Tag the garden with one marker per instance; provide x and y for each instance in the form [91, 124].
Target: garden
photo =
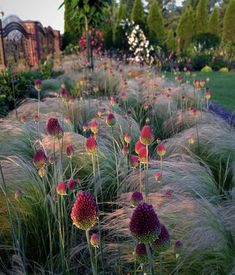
[122, 159]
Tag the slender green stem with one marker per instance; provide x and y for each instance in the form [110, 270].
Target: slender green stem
[160, 264]
[150, 258]
[116, 161]
[140, 178]
[161, 168]
[94, 272]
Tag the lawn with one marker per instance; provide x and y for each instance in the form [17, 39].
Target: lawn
[222, 86]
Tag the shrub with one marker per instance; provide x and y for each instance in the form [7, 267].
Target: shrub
[206, 69]
[217, 63]
[200, 61]
[224, 70]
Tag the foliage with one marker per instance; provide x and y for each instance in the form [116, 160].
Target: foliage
[207, 69]
[224, 70]
[214, 22]
[137, 14]
[206, 41]
[229, 26]
[201, 17]
[171, 41]
[185, 29]
[46, 69]
[155, 24]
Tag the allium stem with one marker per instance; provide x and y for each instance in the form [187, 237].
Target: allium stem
[150, 258]
[140, 179]
[160, 264]
[116, 161]
[94, 272]
[198, 143]
[38, 111]
[161, 168]
[146, 173]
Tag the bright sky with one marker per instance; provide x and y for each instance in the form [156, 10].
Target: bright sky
[45, 11]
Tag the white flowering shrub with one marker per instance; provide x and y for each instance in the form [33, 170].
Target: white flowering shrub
[142, 51]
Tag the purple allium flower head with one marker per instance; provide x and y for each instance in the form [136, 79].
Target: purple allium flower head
[141, 253]
[163, 242]
[72, 184]
[53, 128]
[39, 158]
[144, 224]
[136, 198]
[178, 246]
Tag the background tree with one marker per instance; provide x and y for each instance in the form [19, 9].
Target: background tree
[229, 23]
[155, 24]
[214, 23]
[171, 41]
[129, 7]
[120, 39]
[186, 29]
[201, 17]
[137, 14]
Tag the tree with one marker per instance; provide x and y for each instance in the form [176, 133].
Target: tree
[229, 25]
[120, 37]
[68, 8]
[170, 41]
[186, 29]
[155, 23]
[214, 24]
[201, 17]
[129, 7]
[137, 14]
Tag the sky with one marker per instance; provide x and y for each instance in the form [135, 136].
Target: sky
[45, 11]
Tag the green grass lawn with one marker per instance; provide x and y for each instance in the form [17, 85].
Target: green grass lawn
[222, 86]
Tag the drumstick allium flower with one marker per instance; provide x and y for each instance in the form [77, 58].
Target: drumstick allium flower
[144, 224]
[85, 211]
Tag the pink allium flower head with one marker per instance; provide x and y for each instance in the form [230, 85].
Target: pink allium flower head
[146, 135]
[69, 150]
[138, 146]
[125, 150]
[53, 128]
[67, 119]
[39, 158]
[36, 118]
[91, 145]
[22, 118]
[86, 127]
[61, 188]
[51, 159]
[112, 100]
[110, 120]
[141, 253]
[18, 194]
[161, 150]
[94, 126]
[64, 93]
[127, 138]
[202, 82]
[38, 85]
[134, 161]
[163, 242]
[99, 113]
[85, 211]
[143, 156]
[123, 96]
[194, 112]
[207, 95]
[136, 198]
[72, 184]
[95, 240]
[144, 224]
[157, 176]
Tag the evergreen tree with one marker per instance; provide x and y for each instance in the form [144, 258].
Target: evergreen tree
[186, 29]
[201, 17]
[229, 23]
[170, 41]
[120, 39]
[155, 23]
[137, 14]
[129, 7]
[68, 10]
[214, 24]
